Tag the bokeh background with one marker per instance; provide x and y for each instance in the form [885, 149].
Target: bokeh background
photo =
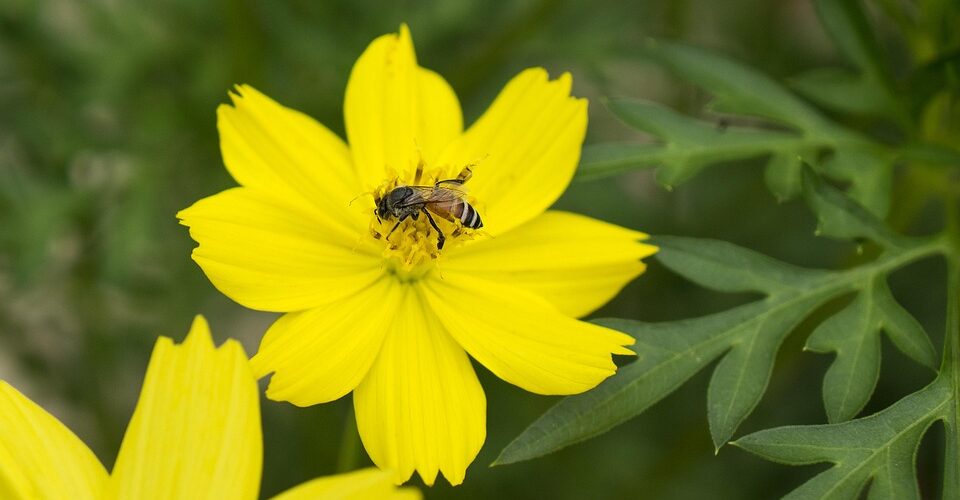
[107, 128]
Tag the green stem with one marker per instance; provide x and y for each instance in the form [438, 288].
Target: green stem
[950, 367]
[348, 458]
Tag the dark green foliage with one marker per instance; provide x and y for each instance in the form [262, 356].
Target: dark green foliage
[107, 128]
[842, 160]
[747, 337]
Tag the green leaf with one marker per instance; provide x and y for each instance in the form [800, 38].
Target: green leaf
[725, 267]
[841, 90]
[869, 172]
[854, 335]
[783, 175]
[738, 88]
[880, 449]
[746, 338]
[904, 330]
[688, 145]
[867, 92]
[847, 25]
[840, 217]
[932, 154]
[602, 160]
[691, 144]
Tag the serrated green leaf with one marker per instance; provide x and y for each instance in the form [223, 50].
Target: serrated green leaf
[841, 90]
[869, 172]
[783, 175]
[669, 354]
[690, 144]
[726, 267]
[879, 449]
[746, 337]
[903, 329]
[868, 92]
[741, 377]
[738, 88]
[840, 217]
[854, 335]
[847, 25]
[602, 160]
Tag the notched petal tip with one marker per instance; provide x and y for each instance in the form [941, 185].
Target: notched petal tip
[403, 34]
[197, 419]
[531, 136]
[199, 333]
[421, 408]
[523, 339]
[238, 92]
[565, 81]
[622, 349]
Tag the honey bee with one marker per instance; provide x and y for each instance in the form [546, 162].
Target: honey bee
[445, 198]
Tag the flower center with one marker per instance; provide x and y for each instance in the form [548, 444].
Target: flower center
[419, 218]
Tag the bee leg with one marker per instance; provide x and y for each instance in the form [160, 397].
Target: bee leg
[395, 226]
[440, 237]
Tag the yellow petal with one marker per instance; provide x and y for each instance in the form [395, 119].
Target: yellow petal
[39, 457]
[526, 146]
[277, 150]
[267, 254]
[364, 484]
[523, 339]
[575, 262]
[421, 407]
[394, 110]
[322, 354]
[196, 430]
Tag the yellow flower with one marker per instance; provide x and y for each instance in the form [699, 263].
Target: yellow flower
[195, 434]
[390, 316]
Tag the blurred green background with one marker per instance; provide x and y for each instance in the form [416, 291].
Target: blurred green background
[107, 128]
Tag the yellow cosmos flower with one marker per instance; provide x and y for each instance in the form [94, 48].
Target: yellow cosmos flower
[195, 434]
[390, 315]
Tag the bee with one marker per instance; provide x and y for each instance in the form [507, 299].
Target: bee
[445, 198]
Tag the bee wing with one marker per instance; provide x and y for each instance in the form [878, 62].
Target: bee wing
[445, 194]
[454, 189]
[421, 195]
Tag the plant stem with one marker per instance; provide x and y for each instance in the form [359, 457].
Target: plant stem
[950, 367]
[348, 458]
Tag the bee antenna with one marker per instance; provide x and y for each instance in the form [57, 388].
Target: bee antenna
[478, 161]
[371, 193]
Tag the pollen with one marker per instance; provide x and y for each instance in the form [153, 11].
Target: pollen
[411, 244]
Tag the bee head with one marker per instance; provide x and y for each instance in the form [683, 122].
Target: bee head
[388, 205]
[382, 210]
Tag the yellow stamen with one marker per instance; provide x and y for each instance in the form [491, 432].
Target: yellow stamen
[411, 250]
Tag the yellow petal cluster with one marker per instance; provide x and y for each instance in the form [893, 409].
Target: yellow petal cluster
[383, 311]
[195, 434]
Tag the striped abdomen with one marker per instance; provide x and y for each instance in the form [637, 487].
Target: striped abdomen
[458, 209]
[468, 215]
